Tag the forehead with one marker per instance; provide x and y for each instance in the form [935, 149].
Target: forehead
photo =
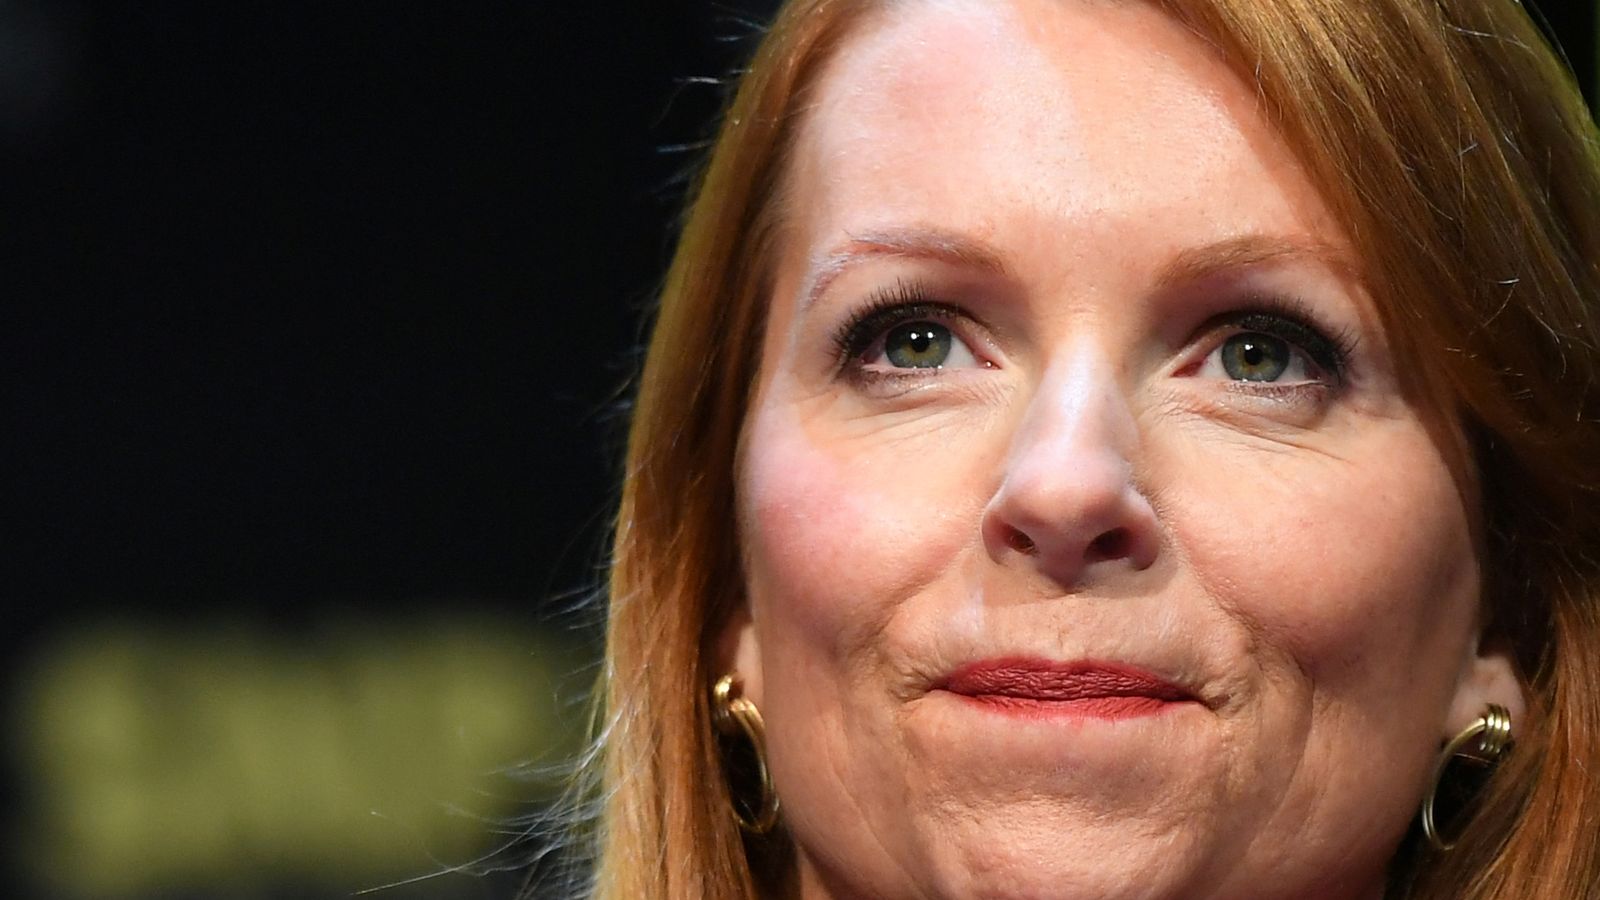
[1043, 118]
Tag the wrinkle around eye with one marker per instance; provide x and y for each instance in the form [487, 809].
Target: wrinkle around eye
[927, 411]
[909, 391]
[1257, 420]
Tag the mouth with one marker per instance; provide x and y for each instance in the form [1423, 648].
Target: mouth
[1081, 689]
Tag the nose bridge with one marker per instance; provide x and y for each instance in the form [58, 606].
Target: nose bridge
[1078, 416]
[1067, 498]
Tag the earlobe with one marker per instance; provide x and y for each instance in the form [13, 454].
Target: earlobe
[739, 652]
[1489, 677]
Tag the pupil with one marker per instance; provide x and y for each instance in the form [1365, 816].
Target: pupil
[917, 345]
[1253, 354]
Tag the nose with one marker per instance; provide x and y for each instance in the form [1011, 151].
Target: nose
[1068, 504]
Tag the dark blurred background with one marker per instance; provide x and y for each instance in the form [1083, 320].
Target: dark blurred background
[315, 330]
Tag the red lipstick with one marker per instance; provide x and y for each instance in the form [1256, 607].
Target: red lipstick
[1082, 689]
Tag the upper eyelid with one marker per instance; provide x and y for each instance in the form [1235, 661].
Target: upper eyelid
[1291, 308]
[905, 300]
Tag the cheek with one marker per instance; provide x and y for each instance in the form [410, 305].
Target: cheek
[1358, 570]
[840, 528]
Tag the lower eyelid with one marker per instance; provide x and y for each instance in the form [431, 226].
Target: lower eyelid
[1275, 391]
[907, 387]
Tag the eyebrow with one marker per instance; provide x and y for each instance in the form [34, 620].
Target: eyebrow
[1190, 265]
[900, 243]
[1194, 264]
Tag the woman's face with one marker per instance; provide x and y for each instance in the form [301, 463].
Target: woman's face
[1092, 549]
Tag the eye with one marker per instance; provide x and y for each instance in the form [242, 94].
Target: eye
[902, 333]
[1268, 348]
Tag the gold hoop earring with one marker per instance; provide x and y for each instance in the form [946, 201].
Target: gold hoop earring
[1480, 743]
[733, 713]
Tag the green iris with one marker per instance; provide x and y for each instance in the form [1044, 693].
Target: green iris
[917, 345]
[1252, 356]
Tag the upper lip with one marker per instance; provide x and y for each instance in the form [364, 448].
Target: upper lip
[1042, 679]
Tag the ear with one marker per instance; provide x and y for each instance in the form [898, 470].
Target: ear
[1488, 676]
[739, 651]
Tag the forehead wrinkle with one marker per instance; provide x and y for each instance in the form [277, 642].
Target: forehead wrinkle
[933, 244]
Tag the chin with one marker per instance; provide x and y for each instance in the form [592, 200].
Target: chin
[1068, 864]
[1036, 849]
[981, 859]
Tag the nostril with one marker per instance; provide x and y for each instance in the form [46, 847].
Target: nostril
[1114, 544]
[1019, 542]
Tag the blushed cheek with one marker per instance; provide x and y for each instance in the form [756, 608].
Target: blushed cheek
[839, 531]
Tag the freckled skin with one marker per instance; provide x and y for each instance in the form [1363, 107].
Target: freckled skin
[1302, 563]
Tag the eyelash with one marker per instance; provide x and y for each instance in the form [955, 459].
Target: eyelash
[1284, 317]
[906, 301]
[1292, 320]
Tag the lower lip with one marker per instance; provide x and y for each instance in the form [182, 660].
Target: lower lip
[1119, 707]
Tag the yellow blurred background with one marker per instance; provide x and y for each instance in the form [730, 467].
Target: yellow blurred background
[203, 759]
